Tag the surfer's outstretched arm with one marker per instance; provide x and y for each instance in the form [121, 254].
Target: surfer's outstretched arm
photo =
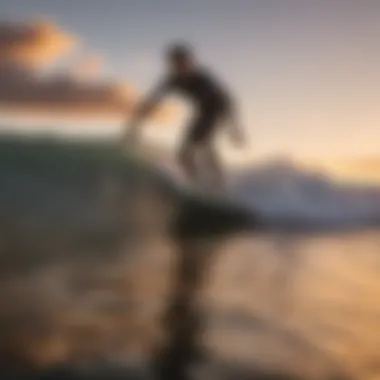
[145, 108]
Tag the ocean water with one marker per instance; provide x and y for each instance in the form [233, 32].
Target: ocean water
[295, 304]
[95, 285]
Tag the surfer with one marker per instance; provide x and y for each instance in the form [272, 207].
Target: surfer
[213, 107]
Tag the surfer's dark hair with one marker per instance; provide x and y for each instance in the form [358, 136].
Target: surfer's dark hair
[179, 52]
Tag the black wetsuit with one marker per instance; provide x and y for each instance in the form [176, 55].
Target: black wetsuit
[210, 100]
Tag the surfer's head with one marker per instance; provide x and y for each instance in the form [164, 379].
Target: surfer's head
[180, 58]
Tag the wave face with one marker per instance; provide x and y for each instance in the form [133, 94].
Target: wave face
[280, 191]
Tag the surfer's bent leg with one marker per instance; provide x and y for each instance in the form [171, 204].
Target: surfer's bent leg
[187, 153]
[187, 160]
[214, 167]
[199, 137]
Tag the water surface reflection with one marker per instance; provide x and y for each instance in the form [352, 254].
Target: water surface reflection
[299, 304]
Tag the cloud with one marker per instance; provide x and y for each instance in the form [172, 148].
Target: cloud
[90, 67]
[26, 50]
[34, 45]
[54, 95]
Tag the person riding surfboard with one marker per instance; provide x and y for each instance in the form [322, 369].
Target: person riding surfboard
[213, 107]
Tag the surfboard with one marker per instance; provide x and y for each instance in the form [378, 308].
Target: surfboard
[221, 200]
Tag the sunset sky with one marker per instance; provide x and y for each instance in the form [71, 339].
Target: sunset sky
[306, 72]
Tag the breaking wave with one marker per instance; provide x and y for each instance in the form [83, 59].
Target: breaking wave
[281, 191]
